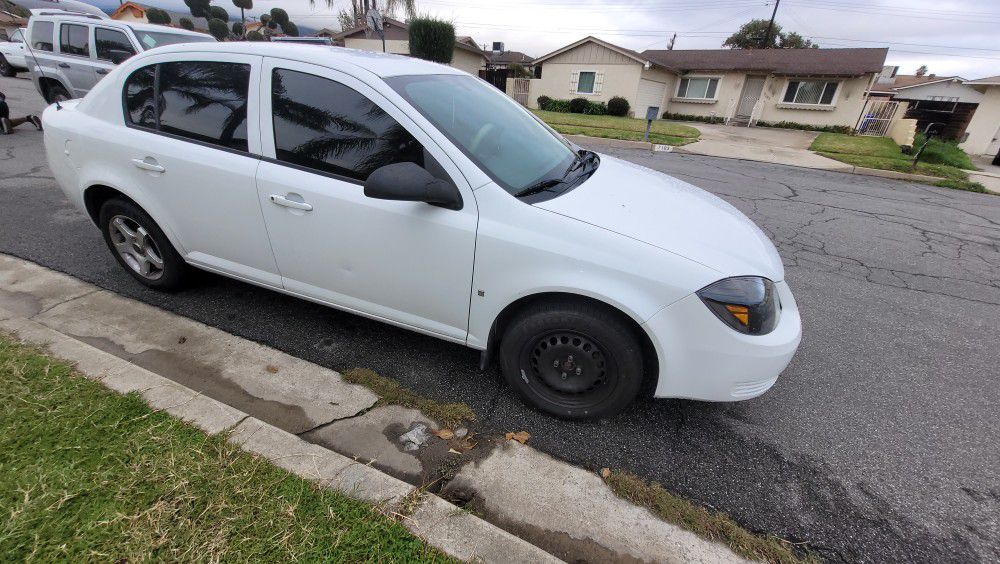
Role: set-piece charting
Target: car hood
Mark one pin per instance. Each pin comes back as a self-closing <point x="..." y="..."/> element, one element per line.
<point x="665" y="212"/>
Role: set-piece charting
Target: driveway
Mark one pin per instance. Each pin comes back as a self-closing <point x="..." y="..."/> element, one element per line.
<point x="768" y="145"/>
<point x="879" y="442"/>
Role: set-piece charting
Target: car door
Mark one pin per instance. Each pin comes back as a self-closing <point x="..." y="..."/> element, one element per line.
<point x="410" y="263"/>
<point x="77" y="62"/>
<point x="107" y="42"/>
<point x="16" y="56"/>
<point x="192" y="151"/>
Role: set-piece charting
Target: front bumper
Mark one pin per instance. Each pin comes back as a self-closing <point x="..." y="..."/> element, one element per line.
<point x="701" y="358"/>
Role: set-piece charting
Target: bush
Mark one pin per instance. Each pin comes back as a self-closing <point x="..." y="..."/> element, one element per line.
<point x="846" y="129"/>
<point x="278" y="16"/>
<point x="187" y="24"/>
<point x="543" y="101"/>
<point x="157" y="16"/>
<point x="255" y="36"/>
<point x="238" y="29"/>
<point x="618" y="106"/>
<point x="432" y="39"/>
<point x="691" y="117"/>
<point x="218" y="29"/>
<point x="218" y="12"/>
<point x="595" y="109"/>
<point x="557" y="106"/>
<point x="578" y="105"/>
<point x="290" y="29"/>
<point x="939" y="151"/>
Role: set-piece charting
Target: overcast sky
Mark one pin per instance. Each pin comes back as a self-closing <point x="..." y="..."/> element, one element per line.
<point x="951" y="37"/>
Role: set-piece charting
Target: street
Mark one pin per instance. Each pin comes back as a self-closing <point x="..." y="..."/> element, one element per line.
<point x="879" y="442"/>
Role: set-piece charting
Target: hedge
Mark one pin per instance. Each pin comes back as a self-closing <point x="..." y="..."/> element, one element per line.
<point x="692" y="117"/>
<point x="583" y="106"/>
<point x="806" y="127"/>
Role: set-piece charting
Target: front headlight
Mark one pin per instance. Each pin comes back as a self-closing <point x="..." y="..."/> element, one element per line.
<point x="748" y="304"/>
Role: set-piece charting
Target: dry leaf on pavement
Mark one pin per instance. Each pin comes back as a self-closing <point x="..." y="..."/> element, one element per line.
<point x="445" y="434"/>
<point x="272" y="369"/>
<point x="605" y="473"/>
<point x="521" y="436"/>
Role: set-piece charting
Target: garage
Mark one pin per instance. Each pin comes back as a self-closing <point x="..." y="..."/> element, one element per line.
<point x="650" y="93"/>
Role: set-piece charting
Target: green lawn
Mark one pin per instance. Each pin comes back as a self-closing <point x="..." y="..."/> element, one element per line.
<point x="90" y="475"/>
<point x="612" y="127"/>
<point x="941" y="159"/>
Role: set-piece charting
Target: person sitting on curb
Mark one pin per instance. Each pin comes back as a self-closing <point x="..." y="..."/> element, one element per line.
<point x="7" y="124"/>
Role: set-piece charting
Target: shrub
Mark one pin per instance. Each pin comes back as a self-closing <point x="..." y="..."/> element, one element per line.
<point x="618" y="106"/>
<point x="290" y="29"/>
<point x="543" y="101"/>
<point x="939" y="151"/>
<point x="238" y="29"/>
<point x="846" y="129"/>
<point x="557" y="106"/>
<point x="432" y="39"/>
<point x="255" y="36"/>
<point x="218" y="12"/>
<point x="157" y="16"/>
<point x="595" y="109"/>
<point x="278" y="16"/>
<point x="218" y="29"/>
<point x="578" y="105"/>
<point x="691" y="117"/>
<point x="187" y="24"/>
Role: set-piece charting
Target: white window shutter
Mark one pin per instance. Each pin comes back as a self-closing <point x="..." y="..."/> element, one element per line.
<point x="574" y="80"/>
<point x="598" y="82"/>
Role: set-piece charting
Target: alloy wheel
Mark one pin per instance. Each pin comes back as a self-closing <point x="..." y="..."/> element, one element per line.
<point x="135" y="247"/>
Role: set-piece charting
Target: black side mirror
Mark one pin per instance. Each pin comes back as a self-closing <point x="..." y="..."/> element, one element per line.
<point x="119" y="56"/>
<point x="410" y="182"/>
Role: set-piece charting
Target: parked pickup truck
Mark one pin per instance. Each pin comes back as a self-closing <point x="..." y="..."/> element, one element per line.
<point x="12" y="54"/>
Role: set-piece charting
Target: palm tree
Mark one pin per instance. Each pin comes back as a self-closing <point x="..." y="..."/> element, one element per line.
<point x="359" y="8"/>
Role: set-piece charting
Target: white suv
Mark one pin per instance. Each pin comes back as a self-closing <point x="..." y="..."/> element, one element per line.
<point x="71" y="51"/>
<point x="12" y="54"/>
<point x="416" y="194"/>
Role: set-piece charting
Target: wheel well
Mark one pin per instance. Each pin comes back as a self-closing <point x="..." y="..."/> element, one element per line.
<point x="649" y="358"/>
<point x="95" y="196"/>
<point x="47" y="83"/>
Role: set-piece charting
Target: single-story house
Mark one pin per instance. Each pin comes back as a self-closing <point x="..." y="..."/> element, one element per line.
<point x="984" y="127"/>
<point x="9" y="23"/>
<point x="809" y="86"/>
<point x="136" y="12"/>
<point x="468" y="56"/>
<point x="931" y="99"/>
<point x="503" y="59"/>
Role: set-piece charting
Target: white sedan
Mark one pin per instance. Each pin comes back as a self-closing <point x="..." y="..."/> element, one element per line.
<point x="415" y="194"/>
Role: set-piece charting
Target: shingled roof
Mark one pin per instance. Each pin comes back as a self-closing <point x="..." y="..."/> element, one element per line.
<point x="839" y="62"/>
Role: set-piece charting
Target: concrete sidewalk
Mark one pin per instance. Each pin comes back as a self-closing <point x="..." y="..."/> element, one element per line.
<point x="520" y="505"/>
<point x="778" y="146"/>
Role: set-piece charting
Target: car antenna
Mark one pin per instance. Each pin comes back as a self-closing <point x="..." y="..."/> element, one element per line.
<point x="41" y="71"/>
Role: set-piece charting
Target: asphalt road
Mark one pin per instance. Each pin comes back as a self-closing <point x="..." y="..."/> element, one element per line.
<point x="879" y="443"/>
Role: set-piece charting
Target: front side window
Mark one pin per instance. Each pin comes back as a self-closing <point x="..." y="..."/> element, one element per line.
<point x="41" y="35"/>
<point x="818" y="92"/>
<point x="326" y="126"/>
<point x="698" y="88"/>
<point x="108" y="40"/>
<point x="585" y="85"/>
<point x="74" y="40"/>
<point x="198" y="100"/>
<point x="16" y="37"/>
<point x="150" y="39"/>
<point x="505" y="141"/>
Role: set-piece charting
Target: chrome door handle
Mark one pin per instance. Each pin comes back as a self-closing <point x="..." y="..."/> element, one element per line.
<point x="283" y="201"/>
<point x="150" y="164"/>
<point x="102" y="71"/>
<point x="64" y="65"/>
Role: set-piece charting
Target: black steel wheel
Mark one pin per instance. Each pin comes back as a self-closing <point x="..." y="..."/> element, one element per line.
<point x="575" y="359"/>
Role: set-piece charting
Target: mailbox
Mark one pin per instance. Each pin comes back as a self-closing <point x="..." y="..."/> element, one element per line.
<point x="652" y="112"/>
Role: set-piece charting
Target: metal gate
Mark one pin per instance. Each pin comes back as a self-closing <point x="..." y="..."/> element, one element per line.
<point x="877" y="118"/>
<point x="519" y="90"/>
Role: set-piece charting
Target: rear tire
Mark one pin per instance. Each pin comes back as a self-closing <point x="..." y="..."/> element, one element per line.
<point x="57" y="93"/>
<point x="6" y="69"/>
<point x="140" y="246"/>
<point x="574" y="360"/>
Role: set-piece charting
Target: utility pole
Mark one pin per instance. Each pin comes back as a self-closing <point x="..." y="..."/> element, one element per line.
<point x="770" y="26"/>
<point x="670" y="47"/>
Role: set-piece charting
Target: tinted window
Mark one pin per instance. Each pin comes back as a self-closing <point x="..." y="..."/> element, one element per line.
<point x="41" y="36"/>
<point x="108" y="40"/>
<point x="74" y="40"/>
<point x="322" y="124"/>
<point x="150" y="39"/>
<point x="140" y="102"/>
<point x="205" y="101"/>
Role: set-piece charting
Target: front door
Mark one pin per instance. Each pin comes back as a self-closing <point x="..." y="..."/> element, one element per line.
<point x="406" y="262"/>
<point x="752" y="88"/>
<point x="77" y="63"/>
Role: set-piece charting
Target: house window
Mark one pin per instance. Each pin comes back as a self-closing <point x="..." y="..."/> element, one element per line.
<point x="586" y="83"/>
<point x="817" y="92"/>
<point x="701" y="88"/>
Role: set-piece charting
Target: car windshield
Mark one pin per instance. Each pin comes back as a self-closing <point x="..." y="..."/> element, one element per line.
<point x="491" y="129"/>
<point x="150" y="39"/>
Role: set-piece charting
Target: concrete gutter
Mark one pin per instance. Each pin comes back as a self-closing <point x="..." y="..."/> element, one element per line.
<point x="513" y="504"/>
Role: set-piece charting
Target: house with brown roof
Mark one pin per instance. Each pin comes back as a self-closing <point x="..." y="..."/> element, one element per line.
<point x="467" y="56"/>
<point x="136" y="12"/>
<point x="946" y="100"/>
<point x="809" y="86"/>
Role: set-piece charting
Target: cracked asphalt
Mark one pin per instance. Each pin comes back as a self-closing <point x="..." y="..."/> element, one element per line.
<point x="879" y="443"/>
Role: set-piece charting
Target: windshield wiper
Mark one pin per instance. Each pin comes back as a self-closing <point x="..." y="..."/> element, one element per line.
<point x="537" y="187"/>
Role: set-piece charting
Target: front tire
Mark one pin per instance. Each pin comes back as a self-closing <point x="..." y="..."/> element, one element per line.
<point x="57" y="93"/>
<point x="6" y="69"/>
<point x="574" y="360"/>
<point x="140" y="246"/>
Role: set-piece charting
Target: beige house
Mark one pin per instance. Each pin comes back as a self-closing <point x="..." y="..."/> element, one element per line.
<point x="467" y="57"/>
<point x="984" y="128"/>
<point x="808" y="86"/>
<point x="136" y="12"/>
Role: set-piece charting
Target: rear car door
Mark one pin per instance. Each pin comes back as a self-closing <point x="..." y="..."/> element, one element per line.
<point x="192" y="151"/>
<point x="108" y="42"/>
<point x="76" y="62"/>
<point x="323" y="132"/>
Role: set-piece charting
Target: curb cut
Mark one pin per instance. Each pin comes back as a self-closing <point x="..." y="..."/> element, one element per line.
<point x="438" y="522"/>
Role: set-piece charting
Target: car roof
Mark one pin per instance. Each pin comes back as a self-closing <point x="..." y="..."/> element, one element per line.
<point x="62" y="15"/>
<point x="381" y="64"/>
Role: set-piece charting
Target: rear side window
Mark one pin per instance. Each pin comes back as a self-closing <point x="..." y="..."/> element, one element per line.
<point x="198" y="100"/>
<point x="74" y="40"/>
<point x="326" y="126"/>
<point x="108" y="40"/>
<point x="41" y="35"/>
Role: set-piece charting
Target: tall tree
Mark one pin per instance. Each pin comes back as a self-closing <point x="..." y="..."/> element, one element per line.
<point x="218" y="28"/>
<point x="218" y="12"/>
<point x="289" y="28"/>
<point x="279" y="16"/>
<point x="792" y="40"/>
<point x="751" y="36"/>
<point x="432" y="39"/>
<point x="157" y="16"/>
<point x="199" y="8"/>
<point x="186" y="23"/>
<point x="243" y="5"/>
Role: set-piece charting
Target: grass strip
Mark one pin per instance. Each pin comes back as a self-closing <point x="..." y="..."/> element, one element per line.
<point x="391" y="392"/>
<point x="90" y="475"/>
<point x="619" y="134"/>
<point x="704" y="523"/>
